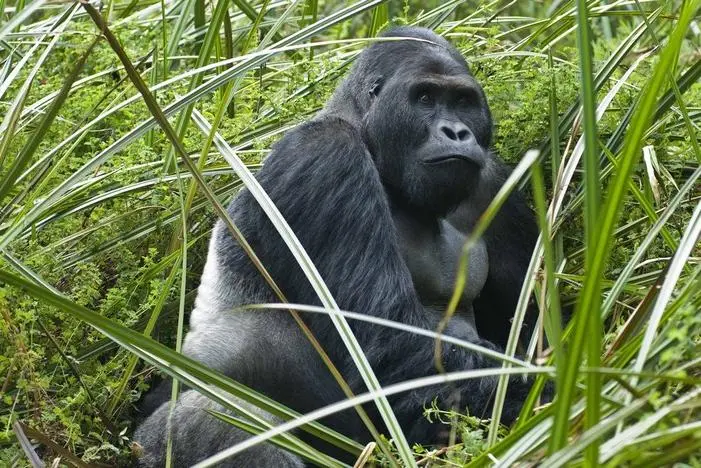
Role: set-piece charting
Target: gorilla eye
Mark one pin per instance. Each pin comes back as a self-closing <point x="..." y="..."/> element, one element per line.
<point x="425" y="98"/>
<point x="467" y="99"/>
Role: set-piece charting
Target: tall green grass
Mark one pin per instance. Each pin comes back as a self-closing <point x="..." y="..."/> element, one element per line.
<point x="125" y="130"/>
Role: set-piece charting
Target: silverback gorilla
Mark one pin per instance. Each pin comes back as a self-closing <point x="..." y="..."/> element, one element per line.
<point x="381" y="187"/>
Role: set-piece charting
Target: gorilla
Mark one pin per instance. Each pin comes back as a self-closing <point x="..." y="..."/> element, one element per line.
<point x="381" y="187"/>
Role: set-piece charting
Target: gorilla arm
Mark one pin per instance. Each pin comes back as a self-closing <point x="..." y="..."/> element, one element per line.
<point x="324" y="182"/>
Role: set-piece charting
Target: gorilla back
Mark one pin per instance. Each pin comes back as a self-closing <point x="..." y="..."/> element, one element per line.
<point x="381" y="188"/>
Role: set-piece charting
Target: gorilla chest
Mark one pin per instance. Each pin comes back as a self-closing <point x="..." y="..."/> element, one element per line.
<point x="432" y="254"/>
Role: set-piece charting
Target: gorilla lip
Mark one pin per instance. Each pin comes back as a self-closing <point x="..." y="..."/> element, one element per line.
<point x="453" y="157"/>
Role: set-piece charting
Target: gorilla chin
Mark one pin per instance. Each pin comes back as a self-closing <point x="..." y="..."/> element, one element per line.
<point x="382" y="188"/>
<point x="438" y="184"/>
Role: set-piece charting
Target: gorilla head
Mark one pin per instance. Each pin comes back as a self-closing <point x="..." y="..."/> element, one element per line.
<point x="423" y="117"/>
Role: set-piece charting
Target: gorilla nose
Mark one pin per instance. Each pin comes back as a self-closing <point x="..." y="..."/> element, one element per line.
<point x="456" y="131"/>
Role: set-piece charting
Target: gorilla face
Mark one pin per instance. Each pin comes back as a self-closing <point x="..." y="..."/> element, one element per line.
<point x="428" y="128"/>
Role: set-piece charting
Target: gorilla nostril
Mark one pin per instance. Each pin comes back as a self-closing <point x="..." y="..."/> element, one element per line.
<point x="463" y="134"/>
<point x="450" y="133"/>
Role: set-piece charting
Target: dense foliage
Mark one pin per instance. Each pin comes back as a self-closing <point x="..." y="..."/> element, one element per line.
<point x="116" y="225"/>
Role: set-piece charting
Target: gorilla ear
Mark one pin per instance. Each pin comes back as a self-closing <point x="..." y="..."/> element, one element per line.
<point x="375" y="87"/>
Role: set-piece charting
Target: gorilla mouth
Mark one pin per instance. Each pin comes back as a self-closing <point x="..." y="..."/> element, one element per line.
<point x="453" y="157"/>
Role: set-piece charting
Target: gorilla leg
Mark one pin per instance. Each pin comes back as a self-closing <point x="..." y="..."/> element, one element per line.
<point x="196" y="435"/>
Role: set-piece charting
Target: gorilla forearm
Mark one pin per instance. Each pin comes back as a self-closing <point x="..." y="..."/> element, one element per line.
<point x="477" y="395"/>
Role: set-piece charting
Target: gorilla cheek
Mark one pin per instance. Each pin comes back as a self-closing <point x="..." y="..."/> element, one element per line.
<point x="380" y="139"/>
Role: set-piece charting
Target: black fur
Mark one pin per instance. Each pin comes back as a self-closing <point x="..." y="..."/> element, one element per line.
<point x="347" y="182"/>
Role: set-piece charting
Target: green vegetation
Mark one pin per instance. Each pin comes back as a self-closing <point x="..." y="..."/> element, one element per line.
<point x="106" y="207"/>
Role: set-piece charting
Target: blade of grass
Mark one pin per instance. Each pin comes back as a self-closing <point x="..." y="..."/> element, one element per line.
<point x="181" y="311"/>
<point x="183" y="15"/>
<point x="687" y="243"/>
<point x="17" y="107"/>
<point x="588" y="319"/>
<point x="555" y="154"/>
<point x="530" y="430"/>
<point x="56" y="448"/>
<point x="203" y="57"/>
<point x="627" y="272"/>
<point x="591" y="435"/>
<point x="399" y="326"/>
<point x="380" y="17"/>
<point x="461" y="278"/>
<point x="677" y="92"/>
<point x="552" y="313"/>
<point x="150" y="325"/>
<point x="389" y="390"/>
<point x="19" y="18"/>
<point x="26" y="446"/>
<point x="514" y="332"/>
<point x="303" y="450"/>
<point x="664" y="441"/>
<point x="605" y="72"/>
<point x="613" y="445"/>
